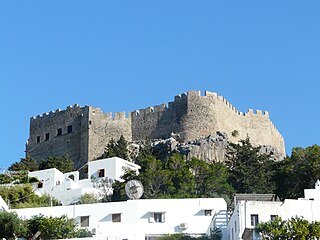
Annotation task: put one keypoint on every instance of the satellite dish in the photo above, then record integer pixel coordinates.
(134, 189)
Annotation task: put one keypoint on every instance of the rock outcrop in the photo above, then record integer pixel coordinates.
(212, 148)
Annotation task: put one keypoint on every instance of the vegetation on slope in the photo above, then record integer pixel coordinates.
(11, 227)
(293, 228)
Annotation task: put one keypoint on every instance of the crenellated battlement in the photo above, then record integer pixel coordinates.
(192, 115)
(51, 113)
(114, 116)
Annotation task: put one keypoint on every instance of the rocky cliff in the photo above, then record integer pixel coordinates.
(212, 148)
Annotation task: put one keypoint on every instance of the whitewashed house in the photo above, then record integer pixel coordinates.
(143, 218)
(255, 208)
(68, 188)
(3, 205)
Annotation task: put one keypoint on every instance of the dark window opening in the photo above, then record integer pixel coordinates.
(59, 131)
(90, 122)
(158, 217)
(70, 129)
(272, 217)
(40, 184)
(38, 139)
(207, 212)
(47, 136)
(254, 219)
(101, 173)
(116, 217)
(71, 177)
(84, 221)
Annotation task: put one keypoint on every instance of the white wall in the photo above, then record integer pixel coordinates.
(241, 217)
(114, 167)
(3, 205)
(49, 177)
(135, 216)
(68, 191)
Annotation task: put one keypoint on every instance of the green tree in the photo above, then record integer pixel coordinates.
(22, 196)
(88, 198)
(116, 149)
(111, 150)
(145, 151)
(119, 193)
(17, 194)
(210, 178)
(181, 182)
(27, 163)
(181, 236)
(177, 236)
(63, 164)
(5, 179)
(154, 178)
(14, 177)
(83, 232)
(105, 186)
(11, 226)
(122, 148)
(38, 201)
(298, 172)
(52, 227)
(249, 170)
(294, 228)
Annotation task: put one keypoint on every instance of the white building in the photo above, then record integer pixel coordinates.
(3, 205)
(143, 218)
(68, 188)
(255, 208)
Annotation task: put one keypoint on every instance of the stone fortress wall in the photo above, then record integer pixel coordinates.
(47, 125)
(190, 115)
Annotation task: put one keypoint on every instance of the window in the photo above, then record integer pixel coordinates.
(157, 217)
(272, 217)
(116, 217)
(47, 136)
(254, 219)
(71, 177)
(207, 212)
(59, 131)
(40, 184)
(235, 226)
(70, 129)
(101, 173)
(84, 221)
(38, 139)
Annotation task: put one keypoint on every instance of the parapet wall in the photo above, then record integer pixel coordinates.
(191, 115)
(194, 116)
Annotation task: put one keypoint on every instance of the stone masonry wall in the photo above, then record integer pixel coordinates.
(72, 143)
(103, 127)
(211, 113)
(193, 116)
(159, 121)
(190, 115)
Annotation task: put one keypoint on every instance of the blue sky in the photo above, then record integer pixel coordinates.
(126, 55)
